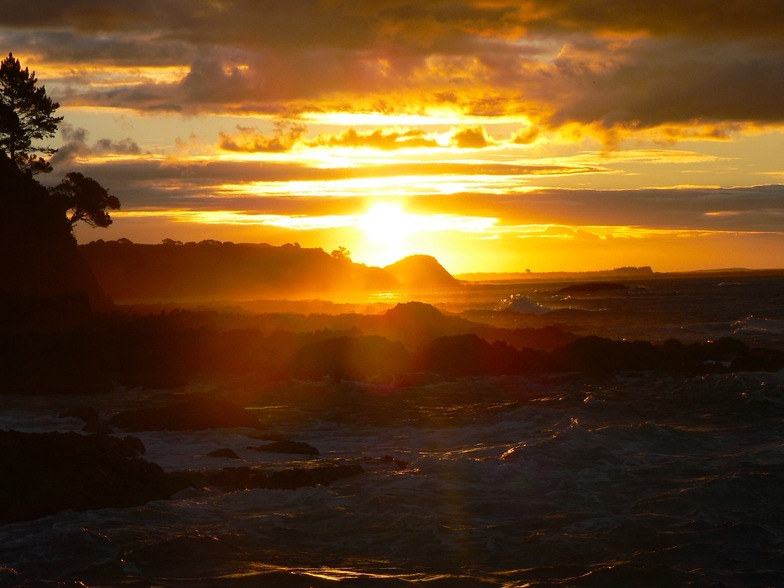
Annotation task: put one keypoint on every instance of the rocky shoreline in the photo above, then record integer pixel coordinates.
(45, 473)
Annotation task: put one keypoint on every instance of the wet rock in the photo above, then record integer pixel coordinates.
(591, 287)
(759, 360)
(132, 446)
(89, 416)
(227, 479)
(299, 477)
(194, 414)
(243, 478)
(44, 473)
(284, 446)
(594, 354)
(224, 452)
(387, 461)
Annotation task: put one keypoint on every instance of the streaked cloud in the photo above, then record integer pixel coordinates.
(568, 60)
(585, 121)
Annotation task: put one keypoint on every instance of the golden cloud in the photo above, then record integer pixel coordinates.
(251, 140)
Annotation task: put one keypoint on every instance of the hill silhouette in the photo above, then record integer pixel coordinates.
(422, 272)
(215, 269)
(42, 265)
(212, 269)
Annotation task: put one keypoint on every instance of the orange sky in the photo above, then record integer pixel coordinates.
(495, 135)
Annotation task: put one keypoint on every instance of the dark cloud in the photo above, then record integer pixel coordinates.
(362, 24)
(752, 209)
(143, 184)
(703, 18)
(128, 49)
(76, 146)
(664, 82)
(614, 64)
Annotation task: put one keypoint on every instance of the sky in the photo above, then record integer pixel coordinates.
(497, 136)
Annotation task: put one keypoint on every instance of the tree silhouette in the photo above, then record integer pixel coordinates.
(84, 199)
(341, 254)
(26, 115)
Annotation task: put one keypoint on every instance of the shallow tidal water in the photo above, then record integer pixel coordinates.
(517, 482)
(631, 480)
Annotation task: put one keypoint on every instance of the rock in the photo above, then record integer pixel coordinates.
(293, 447)
(89, 416)
(228, 479)
(759, 360)
(591, 287)
(243, 478)
(386, 461)
(299, 477)
(194, 414)
(224, 452)
(350, 358)
(44, 473)
(595, 354)
(133, 446)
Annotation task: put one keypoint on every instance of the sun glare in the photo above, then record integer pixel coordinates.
(386, 227)
(386, 224)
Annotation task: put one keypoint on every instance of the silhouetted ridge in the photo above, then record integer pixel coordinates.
(422, 272)
(213, 269)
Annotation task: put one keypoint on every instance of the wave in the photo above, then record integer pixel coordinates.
(635, 481)
(522, 304)
(758, 326)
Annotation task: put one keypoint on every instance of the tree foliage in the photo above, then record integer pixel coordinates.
(84, 199)
(341, 254)
(26, 116)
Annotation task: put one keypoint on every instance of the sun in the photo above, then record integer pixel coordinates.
(386, 223)
(387, 228)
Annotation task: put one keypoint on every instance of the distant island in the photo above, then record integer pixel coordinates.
(620, 272)
(641, 272)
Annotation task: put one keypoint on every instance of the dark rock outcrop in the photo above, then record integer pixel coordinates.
(60, 361)
(470, 355)
(591, 287)
(224, 452)
(244, 478)
(417, 323)
(44, 473)
(89, 416)
(594, 354)
(350, 358)
(193, 414)
(290, 447)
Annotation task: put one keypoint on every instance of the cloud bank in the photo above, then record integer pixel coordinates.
(605, 64)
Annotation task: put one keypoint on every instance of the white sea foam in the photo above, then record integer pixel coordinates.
(522, 304)
(758, 326)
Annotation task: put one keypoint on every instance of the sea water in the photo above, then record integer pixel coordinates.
(632, 480)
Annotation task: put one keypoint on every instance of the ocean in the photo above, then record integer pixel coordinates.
(631, 479)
